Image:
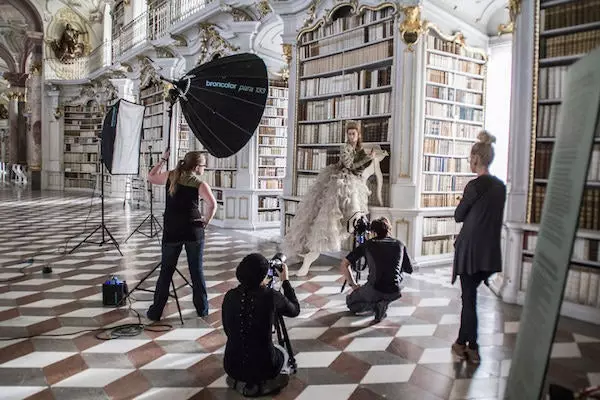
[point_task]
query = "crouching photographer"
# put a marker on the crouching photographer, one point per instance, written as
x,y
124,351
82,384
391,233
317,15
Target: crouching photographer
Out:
x,y
253,363
386,258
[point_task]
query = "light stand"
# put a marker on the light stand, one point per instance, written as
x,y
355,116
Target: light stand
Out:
x,y
102,227
172,99
155,226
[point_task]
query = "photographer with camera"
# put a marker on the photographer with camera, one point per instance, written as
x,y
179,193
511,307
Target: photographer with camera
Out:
x,y
252,361
387,258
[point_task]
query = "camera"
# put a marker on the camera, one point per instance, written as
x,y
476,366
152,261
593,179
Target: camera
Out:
x,y
276,264
360,225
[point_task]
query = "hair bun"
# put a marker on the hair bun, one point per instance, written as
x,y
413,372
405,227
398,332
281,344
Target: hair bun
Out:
x,y
486,138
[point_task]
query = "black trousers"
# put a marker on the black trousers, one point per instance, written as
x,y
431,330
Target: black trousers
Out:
x,y
468,317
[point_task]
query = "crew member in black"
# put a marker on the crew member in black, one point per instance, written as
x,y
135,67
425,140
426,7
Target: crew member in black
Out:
x,y
387,259
183,226
252,362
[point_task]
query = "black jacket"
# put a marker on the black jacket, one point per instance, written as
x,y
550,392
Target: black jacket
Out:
x,y
477,247
248,318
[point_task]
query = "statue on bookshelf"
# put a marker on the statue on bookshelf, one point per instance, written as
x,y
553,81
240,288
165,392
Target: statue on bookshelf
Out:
x,y
339,192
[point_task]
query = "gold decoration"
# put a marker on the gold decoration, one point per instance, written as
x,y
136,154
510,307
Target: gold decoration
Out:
x,y
36,68
504,29
213,43
514,9
180,40
263,8
58,112
412,27
287,52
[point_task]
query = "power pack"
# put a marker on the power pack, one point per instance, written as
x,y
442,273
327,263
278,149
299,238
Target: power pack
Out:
x,y
114,292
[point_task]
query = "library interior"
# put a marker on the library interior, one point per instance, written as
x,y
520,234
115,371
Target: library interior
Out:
x,y
422,114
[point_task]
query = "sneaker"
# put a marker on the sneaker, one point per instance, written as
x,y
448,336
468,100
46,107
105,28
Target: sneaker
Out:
x,y
460,350
473,356
380,311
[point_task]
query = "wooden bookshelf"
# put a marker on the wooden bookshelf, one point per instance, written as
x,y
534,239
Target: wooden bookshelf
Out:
x,y
567,31
344,72
81,157
453,116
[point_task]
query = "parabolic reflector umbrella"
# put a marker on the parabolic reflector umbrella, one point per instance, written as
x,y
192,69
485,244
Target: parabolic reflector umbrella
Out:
x,y
224,100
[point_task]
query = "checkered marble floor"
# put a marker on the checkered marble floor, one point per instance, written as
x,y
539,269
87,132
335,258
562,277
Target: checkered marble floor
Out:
x,y
339,356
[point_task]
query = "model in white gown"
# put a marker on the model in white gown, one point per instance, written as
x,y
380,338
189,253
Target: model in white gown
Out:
x,y
338,193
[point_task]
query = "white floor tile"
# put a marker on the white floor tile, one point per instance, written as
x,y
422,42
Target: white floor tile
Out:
x,y
47,303
117,346
37,359
185,334
23,321
316,359
436,356
511,327
20,392
505,368
219,383
87,312
416,330
67,288
401,311
434,302
594,378
301,333
450,319
348,322
585,339
329,290
369,344
329,392
34,282
13,295
94,377
389,373
169,393
324,278
176,361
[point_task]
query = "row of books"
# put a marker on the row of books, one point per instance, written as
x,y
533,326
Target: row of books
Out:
x,y
465,113
450,94
84,119
355,38
551,82
436,43
275,112
373,130
569,14
78,167
547,120
345,107
583,249
445,146
304,183
81,148
214,162
272,184
543,159
277,102
451,129
153,133
269,216
316,159
343,24
348,59
268,202
291,206
569,44
445,183
455,80
72,139
271,172
272,141
346,83
446,164
271,162
440,200
224,179
438,246
451,63
153,121
77,183
275,91
80,158
440,226
589,213
96,110
271,151
154,109
582,287
155,99
272,131
157,146
274,122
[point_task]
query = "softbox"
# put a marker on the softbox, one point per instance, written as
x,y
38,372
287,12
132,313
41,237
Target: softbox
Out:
x,y
223,101
121,137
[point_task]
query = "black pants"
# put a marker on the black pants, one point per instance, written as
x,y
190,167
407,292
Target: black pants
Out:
x,y
468,317
366,297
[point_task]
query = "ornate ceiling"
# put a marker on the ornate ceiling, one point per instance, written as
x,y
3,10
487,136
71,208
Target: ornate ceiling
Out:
x,y
484,15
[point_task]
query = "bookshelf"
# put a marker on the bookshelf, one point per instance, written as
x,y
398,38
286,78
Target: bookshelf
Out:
x,y
344,71
81,161
563,32
453,115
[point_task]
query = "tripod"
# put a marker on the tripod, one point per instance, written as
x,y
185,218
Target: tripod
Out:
x,y
102,227
155,226
174,295
284,341
359,265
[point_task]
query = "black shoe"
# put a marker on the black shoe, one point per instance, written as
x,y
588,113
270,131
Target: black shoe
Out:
x,y
380,311
152,316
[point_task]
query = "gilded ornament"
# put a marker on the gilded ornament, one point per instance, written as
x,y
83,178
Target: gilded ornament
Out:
x,y
263,8
411,27
287,52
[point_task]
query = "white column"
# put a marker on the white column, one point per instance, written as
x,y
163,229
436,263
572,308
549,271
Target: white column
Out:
x,y
52,137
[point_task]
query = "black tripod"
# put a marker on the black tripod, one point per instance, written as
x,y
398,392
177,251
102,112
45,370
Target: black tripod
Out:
x,y
102,227
284,341
155,226
174,295
359,265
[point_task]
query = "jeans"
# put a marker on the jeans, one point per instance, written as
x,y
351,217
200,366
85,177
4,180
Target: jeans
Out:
x,y
468,316
170,255
366,297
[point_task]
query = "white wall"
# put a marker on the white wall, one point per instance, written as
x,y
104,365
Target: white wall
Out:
x,y
497,117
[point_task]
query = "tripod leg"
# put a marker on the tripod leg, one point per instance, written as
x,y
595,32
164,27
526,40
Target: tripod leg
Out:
x,y
84,240
288,344
137,229
177,301
183,277
141,281
113,240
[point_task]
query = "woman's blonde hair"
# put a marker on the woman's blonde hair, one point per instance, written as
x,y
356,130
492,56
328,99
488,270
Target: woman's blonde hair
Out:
x,y
484,149
355,125
191,160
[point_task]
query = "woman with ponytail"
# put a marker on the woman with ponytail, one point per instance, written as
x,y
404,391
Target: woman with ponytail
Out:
x,y
477,253
183,226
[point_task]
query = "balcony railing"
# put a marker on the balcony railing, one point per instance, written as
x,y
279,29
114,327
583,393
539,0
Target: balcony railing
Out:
x,y
131,35
101,56
77,69
182,9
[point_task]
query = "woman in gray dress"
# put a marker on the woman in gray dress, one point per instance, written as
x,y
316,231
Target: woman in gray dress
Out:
x,y
477,252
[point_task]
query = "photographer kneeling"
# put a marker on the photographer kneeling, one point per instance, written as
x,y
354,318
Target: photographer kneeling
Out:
x,y
387,259
252,362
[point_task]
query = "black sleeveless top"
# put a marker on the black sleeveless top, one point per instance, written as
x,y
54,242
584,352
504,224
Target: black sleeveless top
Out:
x,y
182,219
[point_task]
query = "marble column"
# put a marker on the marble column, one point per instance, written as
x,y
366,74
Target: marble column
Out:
x,y
13,138
17,123
34,131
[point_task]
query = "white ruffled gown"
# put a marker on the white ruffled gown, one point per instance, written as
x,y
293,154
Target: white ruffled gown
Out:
x,y
338,193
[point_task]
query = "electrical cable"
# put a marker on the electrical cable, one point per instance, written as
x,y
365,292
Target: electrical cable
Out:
x,y
21,271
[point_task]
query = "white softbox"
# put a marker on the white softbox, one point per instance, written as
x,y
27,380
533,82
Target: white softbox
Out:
x,y
121,137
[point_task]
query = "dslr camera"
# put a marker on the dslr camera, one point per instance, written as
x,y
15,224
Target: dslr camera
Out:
x,y
276,264
360,225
